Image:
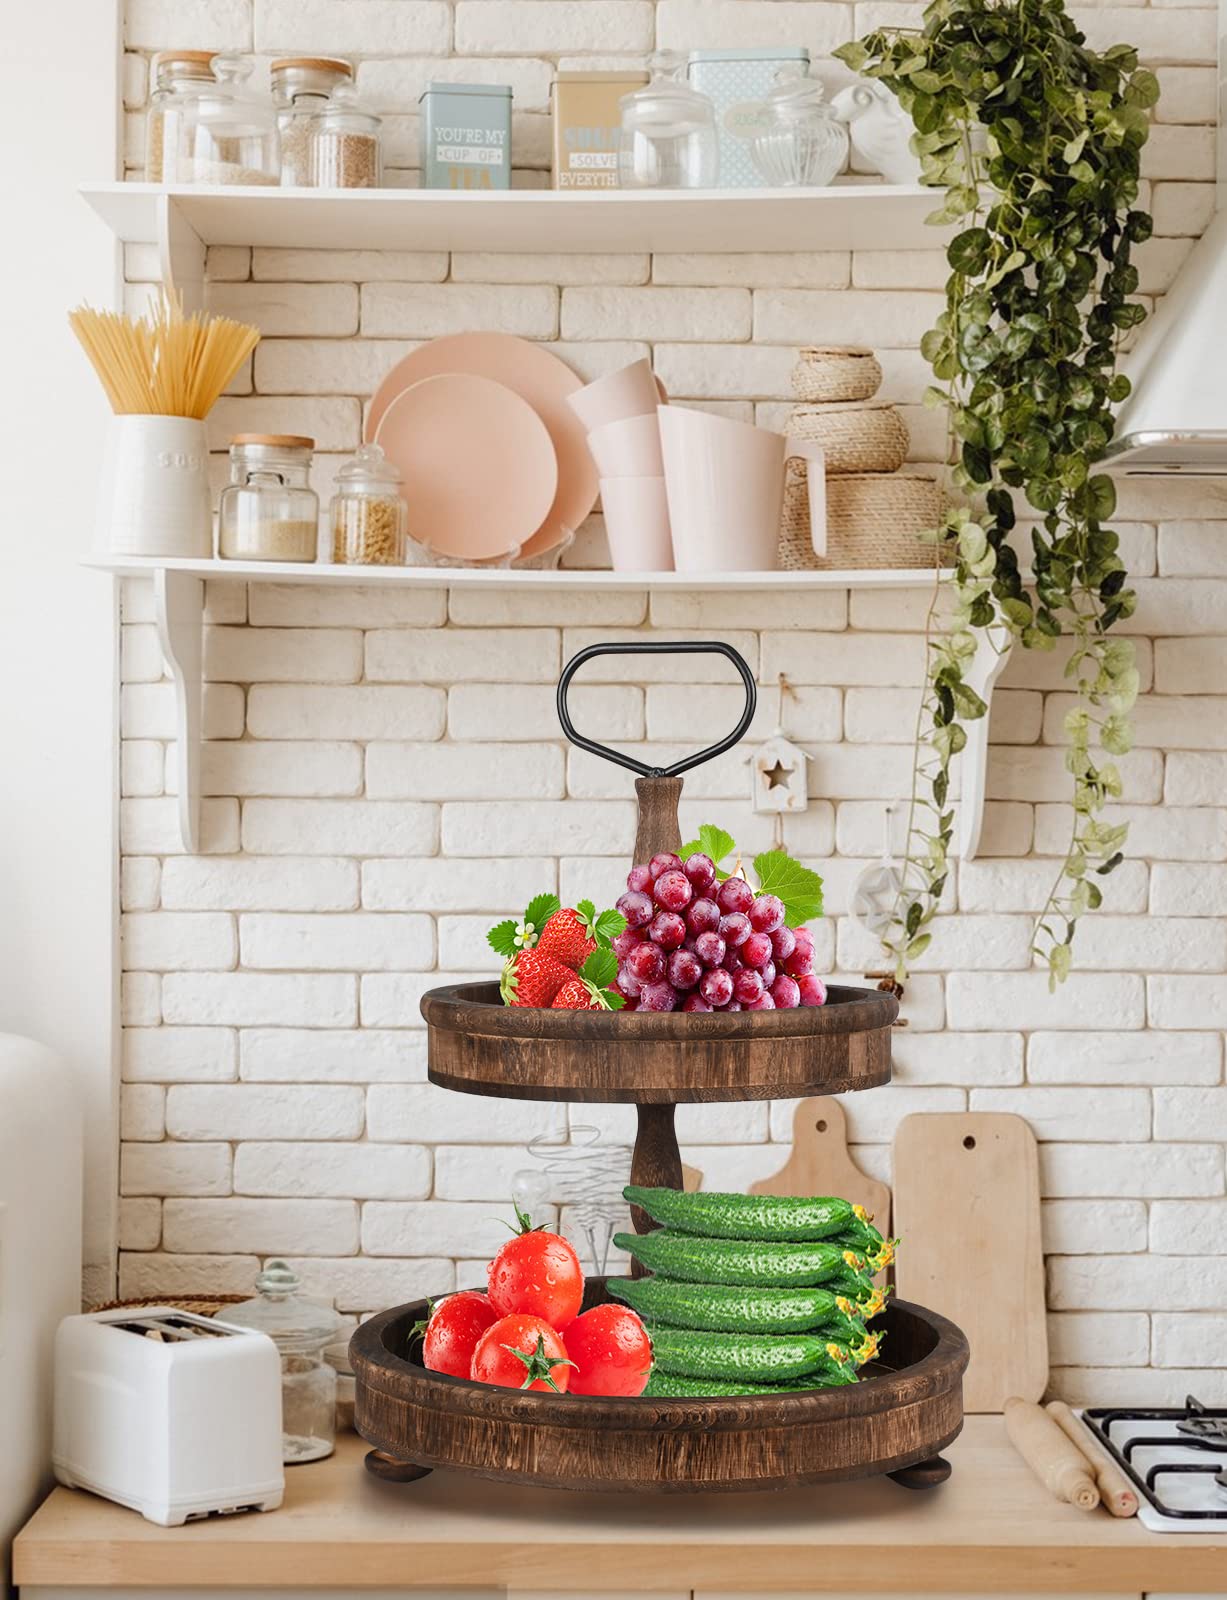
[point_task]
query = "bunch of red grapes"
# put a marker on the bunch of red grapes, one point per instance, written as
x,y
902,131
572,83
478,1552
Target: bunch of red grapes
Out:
x,y
695,944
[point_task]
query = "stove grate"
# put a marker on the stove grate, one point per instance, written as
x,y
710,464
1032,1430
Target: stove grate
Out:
x,y
1200,1428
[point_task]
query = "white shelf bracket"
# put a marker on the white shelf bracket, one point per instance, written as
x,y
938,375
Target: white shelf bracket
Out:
x,y
180,610
987,665
181,255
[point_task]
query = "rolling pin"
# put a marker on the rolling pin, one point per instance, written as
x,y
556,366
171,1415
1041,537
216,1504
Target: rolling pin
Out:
x,y
1118,1493
1057,1463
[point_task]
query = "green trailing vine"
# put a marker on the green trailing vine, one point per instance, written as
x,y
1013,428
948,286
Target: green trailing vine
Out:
x,y
1036,140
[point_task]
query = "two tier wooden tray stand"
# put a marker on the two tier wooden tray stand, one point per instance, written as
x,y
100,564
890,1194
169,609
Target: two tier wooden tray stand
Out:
x,y
896,1421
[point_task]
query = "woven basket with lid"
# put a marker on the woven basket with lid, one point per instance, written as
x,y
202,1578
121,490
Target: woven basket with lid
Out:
x,y
874,520
836,372
855,436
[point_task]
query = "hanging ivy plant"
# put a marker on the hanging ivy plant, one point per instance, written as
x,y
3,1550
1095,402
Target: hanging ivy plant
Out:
x,y
1036,140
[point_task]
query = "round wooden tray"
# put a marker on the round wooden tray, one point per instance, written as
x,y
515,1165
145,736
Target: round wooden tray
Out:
x,y
480,1046
895,1421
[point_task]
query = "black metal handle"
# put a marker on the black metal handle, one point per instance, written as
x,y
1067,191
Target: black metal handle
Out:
x,y
663,647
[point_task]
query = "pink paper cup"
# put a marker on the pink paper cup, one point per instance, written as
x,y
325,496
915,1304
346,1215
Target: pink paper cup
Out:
x,y
637,524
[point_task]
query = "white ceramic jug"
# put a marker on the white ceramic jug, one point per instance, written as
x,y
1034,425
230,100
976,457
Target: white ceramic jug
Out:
x,y
880,130
154,497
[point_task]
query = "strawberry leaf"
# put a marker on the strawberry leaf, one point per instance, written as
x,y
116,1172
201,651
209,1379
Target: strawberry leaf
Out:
x,y
613,999
600,969
608,926
541,909
798,887
502,937
586,912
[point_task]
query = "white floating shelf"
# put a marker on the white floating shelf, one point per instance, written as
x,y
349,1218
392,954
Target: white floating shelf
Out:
x,y
854,216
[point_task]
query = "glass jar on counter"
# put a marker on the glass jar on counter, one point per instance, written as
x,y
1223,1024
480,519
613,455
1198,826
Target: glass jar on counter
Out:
x,y
345,147
300,1329
229,135
269,511
368,514
301,86
801,144
668,135
178,75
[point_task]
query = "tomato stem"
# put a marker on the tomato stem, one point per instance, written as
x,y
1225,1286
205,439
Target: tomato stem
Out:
x,y
539,1367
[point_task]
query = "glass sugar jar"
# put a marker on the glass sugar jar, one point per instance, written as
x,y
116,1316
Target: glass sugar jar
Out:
x,y
345,144
668,136
368,513
801,144
178,75
301,86
229,135
269,511
300,1329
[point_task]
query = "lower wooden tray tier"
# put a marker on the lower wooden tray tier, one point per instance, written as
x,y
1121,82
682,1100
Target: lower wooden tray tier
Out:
x,y
480,1046
894,1421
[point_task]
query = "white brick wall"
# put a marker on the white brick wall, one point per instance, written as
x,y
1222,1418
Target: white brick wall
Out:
x,y
385,775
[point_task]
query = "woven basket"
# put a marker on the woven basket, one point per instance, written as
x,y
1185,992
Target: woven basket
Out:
x,y
836,372
855,437
201,1305
873,520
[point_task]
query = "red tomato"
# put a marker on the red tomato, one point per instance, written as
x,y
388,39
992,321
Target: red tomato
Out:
x,y
522,1353
455,1326
537,1274
611,1351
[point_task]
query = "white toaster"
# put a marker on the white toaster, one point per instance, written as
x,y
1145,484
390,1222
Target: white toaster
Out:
x,y
172,1414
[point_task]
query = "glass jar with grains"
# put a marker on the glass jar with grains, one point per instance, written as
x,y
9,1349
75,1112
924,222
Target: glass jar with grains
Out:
x,y
345,146
229,135
301,86
368,514
268,511
177,76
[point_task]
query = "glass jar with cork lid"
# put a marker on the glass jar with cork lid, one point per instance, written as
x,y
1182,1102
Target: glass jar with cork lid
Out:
x,y
368,514
301,86
269,511
178,75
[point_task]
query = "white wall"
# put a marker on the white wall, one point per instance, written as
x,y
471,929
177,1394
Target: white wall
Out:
x,y
57,621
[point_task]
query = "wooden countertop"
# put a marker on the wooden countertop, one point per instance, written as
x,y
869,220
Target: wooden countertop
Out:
x,y
991,1527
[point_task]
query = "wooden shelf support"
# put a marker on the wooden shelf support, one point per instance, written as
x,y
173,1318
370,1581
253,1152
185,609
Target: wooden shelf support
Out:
x,y
179,598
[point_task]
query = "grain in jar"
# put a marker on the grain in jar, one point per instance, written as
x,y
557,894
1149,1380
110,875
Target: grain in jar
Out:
x,y
345,146
301,86
177,76
368,514
268,511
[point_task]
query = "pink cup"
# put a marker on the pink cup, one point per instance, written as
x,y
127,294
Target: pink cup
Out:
x,y
632,391
725,483
637,524
629,448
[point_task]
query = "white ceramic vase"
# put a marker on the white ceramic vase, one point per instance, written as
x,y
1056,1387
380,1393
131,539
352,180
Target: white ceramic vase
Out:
x,y
880,130
154,496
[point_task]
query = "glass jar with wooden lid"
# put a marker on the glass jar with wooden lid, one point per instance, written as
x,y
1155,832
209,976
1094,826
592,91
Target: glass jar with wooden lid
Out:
x,y
345,145
301,86
269,511
229,134
368,514
177,75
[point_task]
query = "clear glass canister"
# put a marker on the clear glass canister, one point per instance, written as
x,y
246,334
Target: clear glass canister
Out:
x,y
668,134
301,86
300,1329
230,134
802,144
368,513
178,75
346,145
269,511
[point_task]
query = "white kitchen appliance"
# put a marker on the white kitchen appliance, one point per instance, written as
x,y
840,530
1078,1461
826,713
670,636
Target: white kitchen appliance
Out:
x,y
175,1415
1175,1458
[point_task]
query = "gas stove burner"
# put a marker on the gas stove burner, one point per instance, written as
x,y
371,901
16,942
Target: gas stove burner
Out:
x,y
1201,1425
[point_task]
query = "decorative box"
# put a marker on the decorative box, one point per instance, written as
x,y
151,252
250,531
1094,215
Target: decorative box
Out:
x,y
466,136
737,81
587,118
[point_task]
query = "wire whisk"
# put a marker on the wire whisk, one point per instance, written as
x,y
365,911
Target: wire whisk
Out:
x,y
585,1178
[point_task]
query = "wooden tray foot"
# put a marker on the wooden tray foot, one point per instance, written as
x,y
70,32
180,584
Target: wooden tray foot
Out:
x,y
392,1470
923,1474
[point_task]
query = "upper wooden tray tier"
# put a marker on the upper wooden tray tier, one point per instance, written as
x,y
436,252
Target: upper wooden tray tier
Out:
x,y
479,1046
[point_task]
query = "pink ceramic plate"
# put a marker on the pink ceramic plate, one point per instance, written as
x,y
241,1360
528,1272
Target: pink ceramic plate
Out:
x,y
479,468
541,379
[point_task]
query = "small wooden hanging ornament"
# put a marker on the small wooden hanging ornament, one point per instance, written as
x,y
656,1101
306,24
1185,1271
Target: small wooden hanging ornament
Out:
x,y
777,770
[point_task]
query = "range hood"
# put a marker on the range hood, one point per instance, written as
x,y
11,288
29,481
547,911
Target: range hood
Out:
x,y
1176,418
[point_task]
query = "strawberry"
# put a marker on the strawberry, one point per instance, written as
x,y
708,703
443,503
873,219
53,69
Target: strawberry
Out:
x,y
587,990
572,934
532,979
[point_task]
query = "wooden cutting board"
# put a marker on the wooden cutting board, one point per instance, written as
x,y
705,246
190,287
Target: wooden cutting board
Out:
x,y
967,1210
820,1163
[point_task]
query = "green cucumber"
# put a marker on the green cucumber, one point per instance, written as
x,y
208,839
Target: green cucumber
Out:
x,y
740,1262
770,1219
669,1385
721,1308
746,1357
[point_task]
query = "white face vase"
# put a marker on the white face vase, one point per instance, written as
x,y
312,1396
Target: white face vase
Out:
x,y
880,130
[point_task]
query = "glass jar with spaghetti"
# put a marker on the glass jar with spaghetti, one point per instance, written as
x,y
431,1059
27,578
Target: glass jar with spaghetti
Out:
x,y
301,86
269,511
178,75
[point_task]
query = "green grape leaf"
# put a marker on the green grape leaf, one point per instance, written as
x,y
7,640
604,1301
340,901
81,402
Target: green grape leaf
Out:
x,y
713,842
502,937
800,888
